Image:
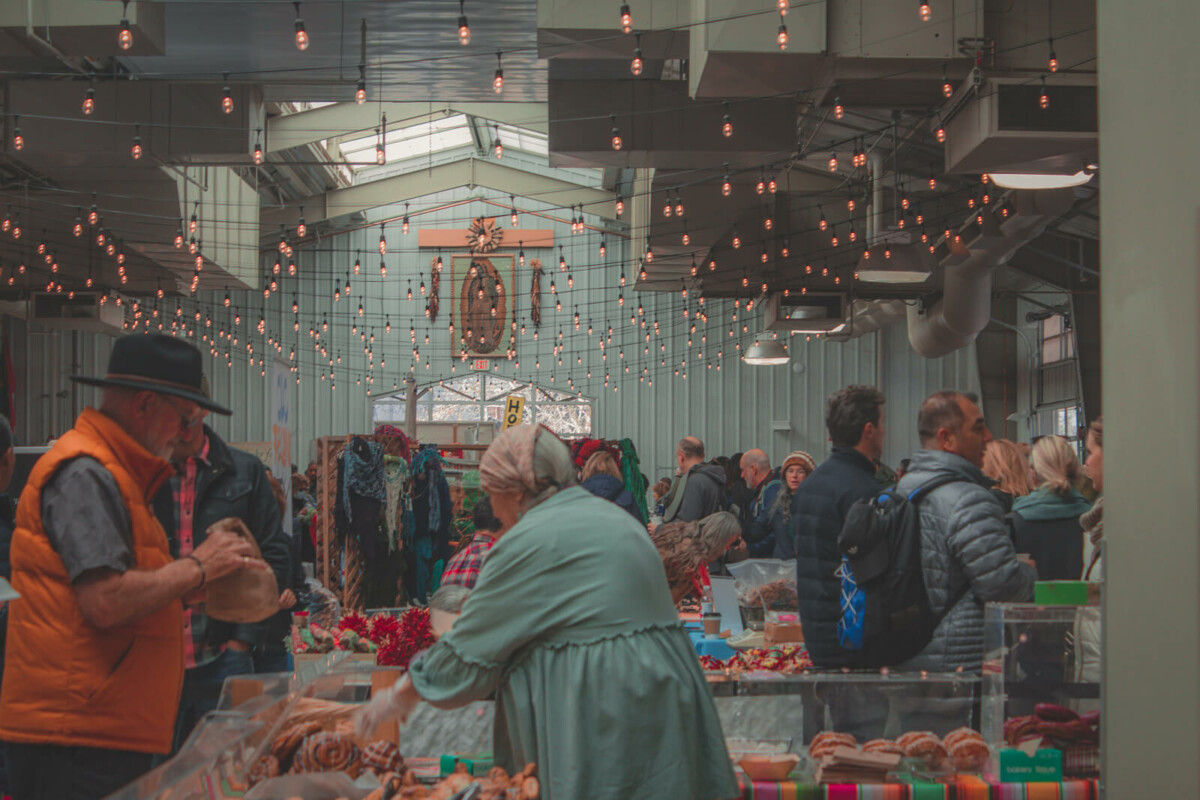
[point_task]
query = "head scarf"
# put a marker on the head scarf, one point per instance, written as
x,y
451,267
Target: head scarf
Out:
x,y
799,457
528,460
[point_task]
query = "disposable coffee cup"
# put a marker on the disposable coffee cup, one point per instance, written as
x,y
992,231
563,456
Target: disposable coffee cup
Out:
x,y
712,624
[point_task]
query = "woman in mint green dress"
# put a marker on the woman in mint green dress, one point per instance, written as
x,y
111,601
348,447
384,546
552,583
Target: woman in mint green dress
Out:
x,y
572,626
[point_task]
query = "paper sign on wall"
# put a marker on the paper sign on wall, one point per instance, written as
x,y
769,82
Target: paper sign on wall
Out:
x,y
514,411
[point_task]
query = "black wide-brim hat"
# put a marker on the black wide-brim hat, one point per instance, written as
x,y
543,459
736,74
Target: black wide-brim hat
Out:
x,y
157,363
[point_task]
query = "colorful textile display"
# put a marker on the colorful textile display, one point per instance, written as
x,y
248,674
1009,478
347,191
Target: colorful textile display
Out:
x,y
961,787
631,473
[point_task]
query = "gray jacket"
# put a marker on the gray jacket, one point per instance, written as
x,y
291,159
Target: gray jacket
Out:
x,y
964,542
703,493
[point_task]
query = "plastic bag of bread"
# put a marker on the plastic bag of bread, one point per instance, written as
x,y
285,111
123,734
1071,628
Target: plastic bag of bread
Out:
x,y
248,595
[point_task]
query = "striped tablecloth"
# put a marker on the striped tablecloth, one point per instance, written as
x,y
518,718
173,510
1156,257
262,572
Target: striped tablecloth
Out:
x,y
962,787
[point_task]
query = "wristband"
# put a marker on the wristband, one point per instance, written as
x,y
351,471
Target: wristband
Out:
x,y
203,572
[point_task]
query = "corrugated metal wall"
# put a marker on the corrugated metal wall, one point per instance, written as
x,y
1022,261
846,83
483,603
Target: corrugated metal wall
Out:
x,y
732,409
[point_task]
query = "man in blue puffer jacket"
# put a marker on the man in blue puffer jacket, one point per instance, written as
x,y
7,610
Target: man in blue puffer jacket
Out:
x,y
854,417
967,554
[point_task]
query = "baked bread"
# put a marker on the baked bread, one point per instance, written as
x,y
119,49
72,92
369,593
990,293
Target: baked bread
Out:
x,y
328,752
265,768
285,745
382,757
883,746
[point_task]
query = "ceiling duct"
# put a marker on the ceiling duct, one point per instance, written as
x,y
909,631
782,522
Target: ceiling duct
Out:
x,y
1004,129
811,312
77,311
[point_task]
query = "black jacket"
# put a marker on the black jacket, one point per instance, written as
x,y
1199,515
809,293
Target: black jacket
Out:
x,y
1047,527
819,508
234,485
613,490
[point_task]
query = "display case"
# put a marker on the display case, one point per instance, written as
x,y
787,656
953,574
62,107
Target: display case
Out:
x,y
1041,683
760,709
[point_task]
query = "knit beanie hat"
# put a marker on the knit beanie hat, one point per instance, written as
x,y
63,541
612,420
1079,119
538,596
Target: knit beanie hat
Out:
x,y
802,458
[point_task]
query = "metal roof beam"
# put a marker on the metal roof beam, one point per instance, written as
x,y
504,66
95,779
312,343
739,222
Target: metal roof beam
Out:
x,y
471,173
345,119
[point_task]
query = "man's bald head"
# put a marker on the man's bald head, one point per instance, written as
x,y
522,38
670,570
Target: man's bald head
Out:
x,y
688,453
756,466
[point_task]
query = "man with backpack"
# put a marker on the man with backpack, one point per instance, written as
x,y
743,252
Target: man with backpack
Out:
x,y
967,556
854,418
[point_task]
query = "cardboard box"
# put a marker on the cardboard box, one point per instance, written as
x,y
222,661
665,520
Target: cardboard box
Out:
x,y
782,633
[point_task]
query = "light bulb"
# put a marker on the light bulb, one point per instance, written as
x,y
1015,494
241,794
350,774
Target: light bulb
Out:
x,y
404,225
380,155
839,110
637,65
1052,64
301,34
782,36
940,133
1044,99
226,100
686,238
947,89
626,19
301,229
18,139
464,30
782,5
360,94
78,229
89,101
727,126
678,206
924,11
616,145
833,162
726,186
498,81
498,148
761,186
125,35
258,153
620,206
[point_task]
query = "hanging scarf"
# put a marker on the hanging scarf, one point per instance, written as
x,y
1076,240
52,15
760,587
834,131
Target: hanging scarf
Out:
x,y
396,476
631,471
363,462
427,467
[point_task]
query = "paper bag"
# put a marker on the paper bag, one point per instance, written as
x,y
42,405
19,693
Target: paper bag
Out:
x,y
248,595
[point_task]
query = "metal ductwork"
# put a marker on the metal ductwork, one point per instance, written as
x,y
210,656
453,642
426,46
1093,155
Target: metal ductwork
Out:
x,y
965,307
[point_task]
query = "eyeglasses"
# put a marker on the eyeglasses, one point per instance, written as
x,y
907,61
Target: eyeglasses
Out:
x,y
186,420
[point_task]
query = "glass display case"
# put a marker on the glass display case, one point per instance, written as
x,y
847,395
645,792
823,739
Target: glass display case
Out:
x,y
1041,682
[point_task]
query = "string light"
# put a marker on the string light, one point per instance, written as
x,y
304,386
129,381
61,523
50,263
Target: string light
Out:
x,y
637,65
380,153
679,205
497,148
404,222
925,11
258,151
382,240
616,145
301,228
839,110
360,91
833,162
302,41
1052,63
626,19
125,34
620,205
1044,99
782,36
89,100
226,97
940,133
498,79
727,123
18,139
136,150
512,205
947,89
464,30
726,185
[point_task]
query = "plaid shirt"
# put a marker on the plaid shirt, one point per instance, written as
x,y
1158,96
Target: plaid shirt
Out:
x,y
196,650
463,569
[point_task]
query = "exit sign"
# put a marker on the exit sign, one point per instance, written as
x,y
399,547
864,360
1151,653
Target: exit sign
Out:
x,y
480,365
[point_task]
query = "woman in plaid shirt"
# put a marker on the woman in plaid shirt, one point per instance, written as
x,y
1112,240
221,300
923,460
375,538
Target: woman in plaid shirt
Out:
x,y
463,569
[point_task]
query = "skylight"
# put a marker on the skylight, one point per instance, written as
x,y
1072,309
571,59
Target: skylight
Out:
x,y
411,141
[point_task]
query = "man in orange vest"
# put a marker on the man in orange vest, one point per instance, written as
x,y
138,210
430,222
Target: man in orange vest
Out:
x,y
95,643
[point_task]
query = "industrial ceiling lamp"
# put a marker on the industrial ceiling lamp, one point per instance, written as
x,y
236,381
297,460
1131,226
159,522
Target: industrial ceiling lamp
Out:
x,y
1025,180
894,263
770,353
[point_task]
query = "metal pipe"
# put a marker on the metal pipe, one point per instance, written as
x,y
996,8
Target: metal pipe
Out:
x,y
875,220
45,44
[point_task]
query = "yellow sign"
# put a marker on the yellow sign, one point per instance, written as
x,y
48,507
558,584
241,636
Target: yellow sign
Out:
x,y
514,411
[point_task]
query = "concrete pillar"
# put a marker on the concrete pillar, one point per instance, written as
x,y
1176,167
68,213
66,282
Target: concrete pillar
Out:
x,y
1150,218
